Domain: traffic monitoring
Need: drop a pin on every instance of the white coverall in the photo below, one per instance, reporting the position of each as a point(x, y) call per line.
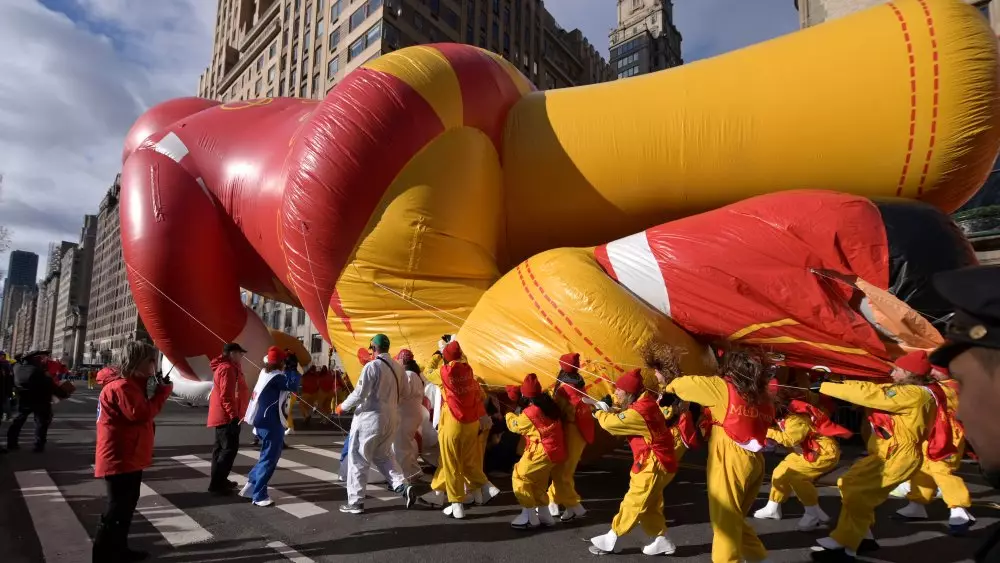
point(375, 401)
point(411, 416)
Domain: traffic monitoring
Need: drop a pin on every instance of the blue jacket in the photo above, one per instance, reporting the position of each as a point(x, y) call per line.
point(269, 411)
point(294, 379)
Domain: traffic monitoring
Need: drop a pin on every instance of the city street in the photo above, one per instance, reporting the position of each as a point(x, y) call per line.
point(51, 504)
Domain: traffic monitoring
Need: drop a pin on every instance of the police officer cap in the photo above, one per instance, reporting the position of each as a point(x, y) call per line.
point(975, 294)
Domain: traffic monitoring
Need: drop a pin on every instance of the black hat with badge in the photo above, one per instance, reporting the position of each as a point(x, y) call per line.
point(975, 294)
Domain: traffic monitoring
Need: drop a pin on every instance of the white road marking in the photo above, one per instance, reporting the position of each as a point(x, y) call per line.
point(60, 533)
point(173, 523)
point(373, 475)
point(291, 554)
point(328, 476)
point(75, 400)
point(286, 502)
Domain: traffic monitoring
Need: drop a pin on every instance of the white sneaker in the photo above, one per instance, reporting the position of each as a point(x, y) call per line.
point(490, 492)
point(573, 512)
point(901, 491)
point(771, 511)
point(265, 502)
point(544, 517)
point(817, 513)
point(289, 431)
point(661, 546)
point(477, 497)
point(960, 521)
point(523, 520)
point(604, 544)
point(553, 509)
point(455, 510)
point(809, 523)
point(913, 511)
point(245, 492)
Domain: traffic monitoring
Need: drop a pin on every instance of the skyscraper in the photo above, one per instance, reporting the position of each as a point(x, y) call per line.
point(645, 40)
point(22, 271)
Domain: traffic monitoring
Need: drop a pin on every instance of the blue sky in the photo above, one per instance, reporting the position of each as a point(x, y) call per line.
point(77, 73)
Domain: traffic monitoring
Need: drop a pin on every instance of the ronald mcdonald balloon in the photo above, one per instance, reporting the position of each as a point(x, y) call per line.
point(434, 191)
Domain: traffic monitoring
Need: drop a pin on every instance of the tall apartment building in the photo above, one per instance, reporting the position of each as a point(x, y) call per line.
point(303, 48)
point(74, 296)
point(23, 329)
point(645, 39)
point(292, 320)
point(112, 317)
point(814, 12)
point(22, 272)
point(48, 296)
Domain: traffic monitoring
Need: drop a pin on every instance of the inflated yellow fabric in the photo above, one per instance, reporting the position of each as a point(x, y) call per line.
point(561, 301)
point(829, 107)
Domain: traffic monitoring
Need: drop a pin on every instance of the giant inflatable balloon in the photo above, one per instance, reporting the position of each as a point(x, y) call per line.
point(434, 191)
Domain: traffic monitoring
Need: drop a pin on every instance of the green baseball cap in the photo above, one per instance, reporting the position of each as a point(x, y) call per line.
point(380, 341)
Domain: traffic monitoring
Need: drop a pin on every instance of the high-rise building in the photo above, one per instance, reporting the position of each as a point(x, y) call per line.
point(294, 321)
point(74, 296)
point(23, 329)
point(814, 12)
point(48, 296)
point(303, 48)
point(112, 317)
point(22, 272)
point(645, 39)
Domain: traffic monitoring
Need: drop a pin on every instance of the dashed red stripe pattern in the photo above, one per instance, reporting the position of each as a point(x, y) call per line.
point(913, 97)
point(566, 318)
point(936, 95)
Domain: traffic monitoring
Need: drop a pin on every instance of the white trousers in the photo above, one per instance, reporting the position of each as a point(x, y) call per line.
point(371, 438)
point(405, 445)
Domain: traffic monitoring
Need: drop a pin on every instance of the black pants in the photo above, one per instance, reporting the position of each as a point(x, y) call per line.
point(112, 531)
point(227, 444)
point(43, 417)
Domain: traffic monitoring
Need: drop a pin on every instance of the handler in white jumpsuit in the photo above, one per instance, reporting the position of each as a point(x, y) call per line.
point(375, 401)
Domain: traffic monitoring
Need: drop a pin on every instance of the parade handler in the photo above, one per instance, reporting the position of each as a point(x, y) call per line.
point(902, 414)
point(267, 413)
point(578, 427)
point(642, 423)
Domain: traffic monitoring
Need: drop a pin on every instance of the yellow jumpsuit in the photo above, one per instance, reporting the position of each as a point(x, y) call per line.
point(892, 460)
point(460, 465)
point(934, 475)
point(643, 503)
point(734, 475)
point(795, 474)
point(530, 479)
point(563, 489)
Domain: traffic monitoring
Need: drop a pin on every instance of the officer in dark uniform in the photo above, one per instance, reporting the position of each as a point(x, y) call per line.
point(35, 390)
point(972, 354)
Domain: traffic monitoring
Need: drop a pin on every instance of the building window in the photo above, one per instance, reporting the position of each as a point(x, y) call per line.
point(470, 35)
point(451, 18)
point(315, 344)
point(496, 32)
point(319, 30)
point(334, 38)
point(257, 87)
point(391, 36)
point(496, 7)
point(273, 50)
point(302, 316)
point(629, 72)
point(482, 40)
point(334, 10)
point(306, 41)
point(418, 22)
point(315, 90)
point(333, 67)
point(270, 92)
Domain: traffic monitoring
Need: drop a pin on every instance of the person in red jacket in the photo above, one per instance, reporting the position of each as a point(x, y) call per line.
point(226, 408)
point(125, 446)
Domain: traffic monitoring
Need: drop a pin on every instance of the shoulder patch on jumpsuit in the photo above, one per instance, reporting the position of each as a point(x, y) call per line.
point(890, 392)
point(621, 416)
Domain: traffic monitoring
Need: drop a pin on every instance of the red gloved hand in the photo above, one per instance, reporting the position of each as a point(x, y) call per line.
point(514, 392)
point(339, 410)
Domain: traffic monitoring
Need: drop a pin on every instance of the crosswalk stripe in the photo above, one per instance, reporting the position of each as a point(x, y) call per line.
point(296, 507)
point(59, 531)
point(324, 475)
point(75, 400)
point(291, 554)
point(173, 523)
point(373, 475)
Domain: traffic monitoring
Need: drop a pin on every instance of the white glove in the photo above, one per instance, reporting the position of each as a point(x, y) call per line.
point(602, 406)
point(485, 423)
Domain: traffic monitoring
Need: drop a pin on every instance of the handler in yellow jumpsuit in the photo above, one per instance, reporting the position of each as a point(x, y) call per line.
point(539, 423)
point(734, 473)
point(573, 402)
point(902, 414)
point(934, 475)
point(652, 469)
point(796, 474)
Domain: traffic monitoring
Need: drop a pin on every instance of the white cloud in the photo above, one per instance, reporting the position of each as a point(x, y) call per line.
point(76, 74)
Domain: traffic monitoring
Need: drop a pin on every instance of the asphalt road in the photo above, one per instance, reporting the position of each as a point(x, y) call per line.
point(50, 503)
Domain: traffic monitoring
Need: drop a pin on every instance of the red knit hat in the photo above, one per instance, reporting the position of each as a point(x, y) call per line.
point(452, 352)
point(631, 382)
point(916, 363)
point(275, 355)
point(531, 388)
point(570, 363)
point(404, 356)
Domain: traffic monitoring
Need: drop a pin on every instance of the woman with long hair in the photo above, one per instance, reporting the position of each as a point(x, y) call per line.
point(411, 412)
point(538, 420)
point(125, 433)
point(742, 411)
